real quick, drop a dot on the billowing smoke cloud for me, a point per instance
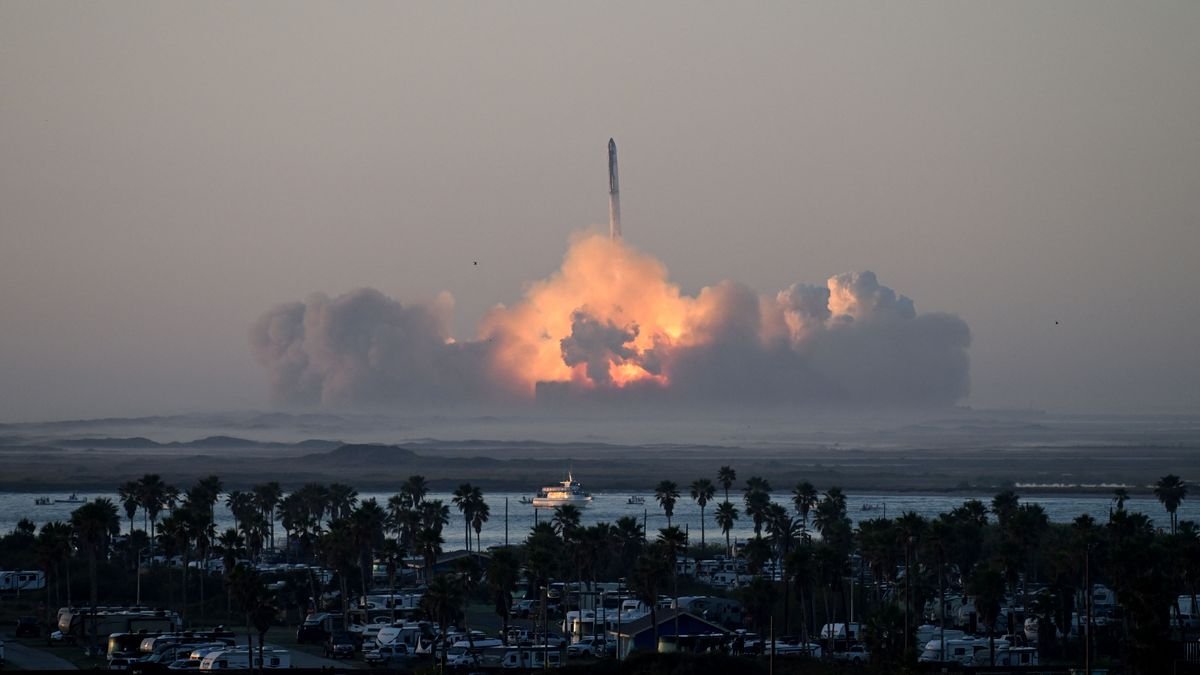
(608, 325)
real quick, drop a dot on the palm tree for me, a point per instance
(434, 514)
(1171, 491)
(502, 574)
(429, 544)
(726, 476)
(128, 494)
(543, 554)
(367, 525)
(153, 496)
(231, 547)
(799, 568)
(804, 497)
(726, 516)
(1120, 496)
(987, 586)
(342, 500)
(566, 520)
(910, 527)
(757, 502)
(629, 538)
(442, 601)
(338, 550)
(182, 527)
(466, 506)
(1004, 505)
(481, 515)
(252, 596)
(392, 554)
(702, 491)
(53, 547)
(650, 573)
(414, 490)
(667, 493)
(94, 524)
(266, 497)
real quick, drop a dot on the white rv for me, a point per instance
(239, 659)
(19, 581)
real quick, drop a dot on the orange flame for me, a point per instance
(612, 283)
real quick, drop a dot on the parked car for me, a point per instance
(592, 647)
(340, 645)
(28, 626)
(523, 609)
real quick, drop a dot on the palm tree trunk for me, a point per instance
(94, 594)
(701, 528)
(787, 603)
(183, 589)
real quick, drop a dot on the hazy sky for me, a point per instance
(168, 171)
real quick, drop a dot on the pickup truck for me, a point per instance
(856, 654)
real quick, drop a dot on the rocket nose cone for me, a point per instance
(612, 143)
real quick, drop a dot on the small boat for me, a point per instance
(43, 501)
(636, 500)
(73, 499)
(566, 492)
(526, 500)
(881, 506)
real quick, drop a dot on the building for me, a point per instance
(695, 633)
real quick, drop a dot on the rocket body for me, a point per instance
(614, 193)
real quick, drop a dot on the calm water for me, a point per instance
(610, 506)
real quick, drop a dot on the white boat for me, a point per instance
(566, 492)
(636, 500)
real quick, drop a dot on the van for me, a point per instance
(239, 659)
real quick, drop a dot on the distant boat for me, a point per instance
(526, 500)
(73, 499)
(636, 500)
(881, 506)
(43, 501)
(566, 492)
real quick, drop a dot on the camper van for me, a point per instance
(239, 659)
(466, 653)
(410, 634)
(76, 622)
(531, 658)
(21, 581)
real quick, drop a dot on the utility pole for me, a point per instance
(1087, 584)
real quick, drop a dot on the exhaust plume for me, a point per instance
(609, 325)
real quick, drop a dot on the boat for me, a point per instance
(526, 500)
(42, 501)
(566, 492)
(73, 499)
(636, 500)
(881, 506)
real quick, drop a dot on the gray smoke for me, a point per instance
(851, 342)
(362, 348)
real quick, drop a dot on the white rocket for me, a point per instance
(614, 193)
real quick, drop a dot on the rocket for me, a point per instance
(614, 193)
